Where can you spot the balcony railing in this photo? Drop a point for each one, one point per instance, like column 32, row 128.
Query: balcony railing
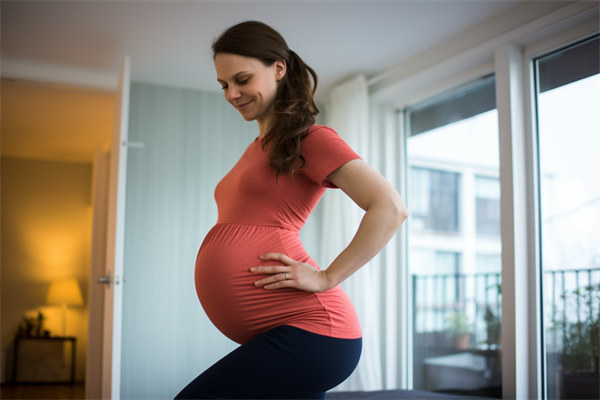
column 458, row 304
column 457, row 321
column 471, row 303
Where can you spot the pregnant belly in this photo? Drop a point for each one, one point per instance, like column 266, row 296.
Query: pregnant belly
column 225, row 285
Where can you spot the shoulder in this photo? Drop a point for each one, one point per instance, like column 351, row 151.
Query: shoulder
column 323, row 139
column 317, row 131
column 318, row 134
column 323, row 142
column 323, row 151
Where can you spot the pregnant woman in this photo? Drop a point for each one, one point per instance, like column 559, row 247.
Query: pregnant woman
column 298, row 331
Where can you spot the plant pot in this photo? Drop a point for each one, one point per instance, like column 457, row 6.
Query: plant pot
column 463, row 341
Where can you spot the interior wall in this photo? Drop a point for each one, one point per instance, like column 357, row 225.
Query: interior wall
column 46, row 217
column 45, row 121
column 185, row 142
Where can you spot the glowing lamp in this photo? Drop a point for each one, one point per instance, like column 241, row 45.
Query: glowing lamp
column 65, row 292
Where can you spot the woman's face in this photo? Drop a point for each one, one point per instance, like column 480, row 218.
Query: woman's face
column 249, row 85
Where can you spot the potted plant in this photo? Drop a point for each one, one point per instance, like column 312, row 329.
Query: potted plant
column 457, row 325
column 32, row 324
column 493, row 322
column 579, row 330
column 493, row 325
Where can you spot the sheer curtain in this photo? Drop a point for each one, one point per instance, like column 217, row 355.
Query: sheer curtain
column 190, row 140
column 348, row 113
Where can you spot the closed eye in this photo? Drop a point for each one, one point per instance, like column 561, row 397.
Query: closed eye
column 238, row 81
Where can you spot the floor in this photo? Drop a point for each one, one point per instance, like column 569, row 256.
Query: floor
column 57, row 392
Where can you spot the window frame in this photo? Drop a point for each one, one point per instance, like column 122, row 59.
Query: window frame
column 510, row 58
column 531, row 55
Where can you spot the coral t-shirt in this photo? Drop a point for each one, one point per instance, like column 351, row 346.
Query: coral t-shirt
column 259, row 214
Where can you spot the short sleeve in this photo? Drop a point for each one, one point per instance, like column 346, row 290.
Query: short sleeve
column 324, row 151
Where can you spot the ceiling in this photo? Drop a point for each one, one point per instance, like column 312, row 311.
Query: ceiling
column 83, row 42
column 169, row 41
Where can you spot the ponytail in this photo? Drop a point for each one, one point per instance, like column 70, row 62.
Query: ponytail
column 295, row 112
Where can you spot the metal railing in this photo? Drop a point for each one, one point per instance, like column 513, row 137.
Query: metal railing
column 458, row 304
column 570, row 296
column 455, row 303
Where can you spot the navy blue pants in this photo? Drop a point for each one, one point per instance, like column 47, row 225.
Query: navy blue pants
column 283, row 363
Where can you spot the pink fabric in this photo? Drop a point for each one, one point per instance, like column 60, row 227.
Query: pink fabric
column 257, row 215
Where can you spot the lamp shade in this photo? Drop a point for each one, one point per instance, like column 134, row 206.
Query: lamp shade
column 65, row 292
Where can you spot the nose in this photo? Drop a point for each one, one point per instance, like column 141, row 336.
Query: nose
column 232, row 93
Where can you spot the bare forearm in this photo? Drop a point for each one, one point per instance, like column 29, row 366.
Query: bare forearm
column 384, row 213
column 377, row 227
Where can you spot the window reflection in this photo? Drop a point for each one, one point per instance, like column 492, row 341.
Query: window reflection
column 568, row 101
column 435, row 198
column 487, row 205
column 454, row 242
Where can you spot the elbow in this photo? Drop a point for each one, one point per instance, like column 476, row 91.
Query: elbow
column 398, row 213
column 403, row 215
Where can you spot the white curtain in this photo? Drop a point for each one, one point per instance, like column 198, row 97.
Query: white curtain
column 388, row 270
column 170, row 207
column 348, row 113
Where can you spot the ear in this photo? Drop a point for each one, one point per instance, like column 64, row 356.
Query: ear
column 280, row 69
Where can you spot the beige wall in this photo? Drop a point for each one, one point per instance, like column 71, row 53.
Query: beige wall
column 50, row 134
column 52, row 122
column 46, row 231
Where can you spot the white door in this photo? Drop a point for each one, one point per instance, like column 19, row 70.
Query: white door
column 110, row 371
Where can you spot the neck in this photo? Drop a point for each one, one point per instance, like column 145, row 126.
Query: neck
column 261, row 132
column 263, row 126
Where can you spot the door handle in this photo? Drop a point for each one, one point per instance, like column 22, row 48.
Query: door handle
column 105, row 280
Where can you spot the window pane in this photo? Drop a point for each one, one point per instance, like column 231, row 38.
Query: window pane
column 454, row 243
column 473, row 99
column 569, row 179
column 436, row 199
column 487, row 193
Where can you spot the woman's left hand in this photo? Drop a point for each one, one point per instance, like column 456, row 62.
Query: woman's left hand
column 292, row 274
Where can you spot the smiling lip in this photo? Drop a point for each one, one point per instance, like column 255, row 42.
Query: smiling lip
column 242, row 105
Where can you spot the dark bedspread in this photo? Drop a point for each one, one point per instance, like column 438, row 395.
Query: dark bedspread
column 397, row 394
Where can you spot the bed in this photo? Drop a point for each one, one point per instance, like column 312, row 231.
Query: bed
column 400, row 394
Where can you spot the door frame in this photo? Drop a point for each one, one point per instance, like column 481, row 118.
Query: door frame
column 110, row 174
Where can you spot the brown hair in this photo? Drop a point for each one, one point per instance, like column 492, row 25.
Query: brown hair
column 294, row 107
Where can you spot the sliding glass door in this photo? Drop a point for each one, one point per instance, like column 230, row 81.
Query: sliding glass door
column 454, row 248
column 568, row 108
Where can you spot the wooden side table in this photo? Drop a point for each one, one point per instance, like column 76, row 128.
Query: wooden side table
column 44, row 360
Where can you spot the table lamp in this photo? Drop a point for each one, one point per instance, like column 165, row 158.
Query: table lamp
column 64, row 292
